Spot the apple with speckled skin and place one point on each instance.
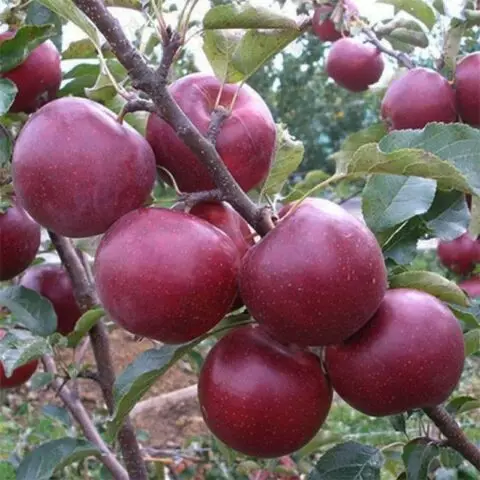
(459, 255)
(412, 341)
(77, 170)
(37, 79)
(353, 65)
(418, 97)
(260, 397)
(19, 241)
(53, 282)
(20, 375)
(246, 141)
(166, 275)
(316, 278)
(467, 90)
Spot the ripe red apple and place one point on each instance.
(322, 25)
(410, 355)
(53, 282)
(316, 278)
(418, 97)
(471, 286)
(20, 375)
(467, 81)
(77, 170)
(246, 141)
(354, 65)
(166, 274)
(459, 255)
(19, 241)
(37, 79)
(260, 397)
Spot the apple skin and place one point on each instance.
(260, 397)
(323, 27)
(467, 81)
(418, 97)
(37, 79)
(77, 170)
(354, 65)
(166, 275)
(471, 286)
(20, 375)
(316, 278)
(412, 341)
(246, 141)
(53, 282)
(459, 255)
(19, 241)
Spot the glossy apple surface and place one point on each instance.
(467, 81)
(260, 397)
(246, 141)
(459, 255)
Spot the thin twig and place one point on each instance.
(219, 115)
(191, 199)
(136, 105)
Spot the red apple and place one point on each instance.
(315, 279)
(418, 97)
(354, 65)
(246, 141)
(471, 286)
(19, 242)
(77, 170)
(53, 282)
(322, 25)
(166, 275)
(20, 375)
(467, 81)
(37, 79)
(459, 255)
(260, 397)
(410, 355)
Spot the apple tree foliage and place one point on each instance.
(413, 186)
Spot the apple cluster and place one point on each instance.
(317, 279)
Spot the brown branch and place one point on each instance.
(172, 41)
(86, 297)
(455, 435)
(78, 412)
(219, 115)
(191, 199)
(136, 105)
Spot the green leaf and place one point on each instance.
(349, 461)
(462, 404)
(86, 322)
(451, 46)
(38, 14)
(288, 156)
(432, 283)
(417, 8)
(40, 380)
(450, 458)
(467, 316)
(30, 309)
(14, 51)
(133, 4)
(474, 227)
(8, 92)
(104, 89)
(138, 120)
(417, 456)
(83, 48)
(408, 36)
(58, 413)
(388, 200)
(7, 471)
(6, 145)
(399, 423)
(472, 342)
(312, 178)
(51, 457)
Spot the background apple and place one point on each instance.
(412, 340)
(246, 141)
(53, 282)
(260, 397)
(86, 172)
(459, 255)
(323, 27)
(467, 81)
(166, 274)
(471, 286)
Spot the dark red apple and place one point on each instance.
(260, 397)
(77, 170)
(471, 286)
(418, 97)
(20, 375)
(316, 278)
(410, 355)
(19, 242)
(166, 275)
(246, 141)
(354, 65)
(53, 282)
(467, 81)
(459, 255)
(322, 25)
(37, 79)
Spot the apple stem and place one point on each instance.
(455, 435)
(191, 199)
(136, 105)
(219, 115)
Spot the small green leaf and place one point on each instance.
(83, 48)
(450, 458)
(53, 456)
(7, 471)
(466, 316)
(349, 461)
(417, 8)
(86, 322)
(432, 283)
(6, 145)
(219, 46)
(30, 309)
(40, 380)
(312, 179)
(472, 342)
(451, 46)
(374, 133)
(38, 14)
(417, 456)
(399, 423)
(8, 92)
(474, 227)
(409, 37)
(462, 404)
(58, 413)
